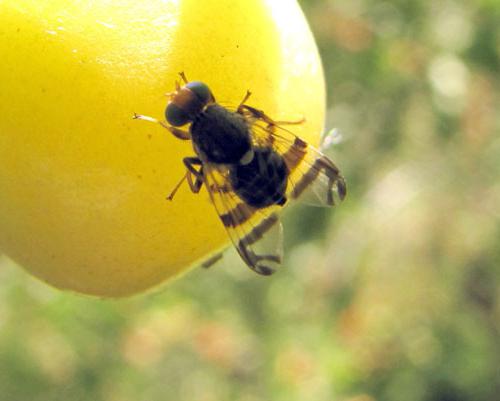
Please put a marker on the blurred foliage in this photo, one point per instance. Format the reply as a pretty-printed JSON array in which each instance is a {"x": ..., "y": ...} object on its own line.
[{"x": 393, "y": 296}]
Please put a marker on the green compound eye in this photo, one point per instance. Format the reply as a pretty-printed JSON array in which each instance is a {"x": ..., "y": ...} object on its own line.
[
  {"x": 201, "y": 91},
  {"x": 175, "y": 115}
]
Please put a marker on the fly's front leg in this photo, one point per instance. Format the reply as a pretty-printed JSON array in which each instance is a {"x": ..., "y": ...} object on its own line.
[
  {"x": 196, "y": 184},
  {"x": 177, "y": 132},
  {"x": 190, "y": 163}
]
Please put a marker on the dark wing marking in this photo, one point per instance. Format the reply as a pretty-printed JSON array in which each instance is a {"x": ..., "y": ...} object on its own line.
[
  {"x": 314, "y": 179},
  {"x": 256, "y": 233}
]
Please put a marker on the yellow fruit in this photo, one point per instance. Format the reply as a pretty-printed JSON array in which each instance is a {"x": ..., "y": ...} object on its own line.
[{"x": 82, "y": 185}]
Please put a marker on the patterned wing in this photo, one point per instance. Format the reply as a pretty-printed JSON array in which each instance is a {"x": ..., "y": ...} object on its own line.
[
  {"x": 255, "y": 233},
  {"x": 314, "y": 179}
]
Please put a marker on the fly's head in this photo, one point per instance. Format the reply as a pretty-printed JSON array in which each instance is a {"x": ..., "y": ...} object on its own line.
[{"x": 187, "y": 102}]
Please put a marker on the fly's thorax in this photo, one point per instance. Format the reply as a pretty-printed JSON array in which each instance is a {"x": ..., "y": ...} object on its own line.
[
  {"x": 263, "y": 181},
  {"x": 220, "y": 136}
]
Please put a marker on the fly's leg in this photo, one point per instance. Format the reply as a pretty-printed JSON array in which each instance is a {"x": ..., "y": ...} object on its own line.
[
  {"x": 242, "y": 103},
  {"x": 212, "y": 260},
  {"x": 190, "y": 162},
  {"x": 178, "y": 133},
  {"x": 255, "y": 114},
  {"x": 196, "y": 184},
  {"x": 260, "y": 115}
]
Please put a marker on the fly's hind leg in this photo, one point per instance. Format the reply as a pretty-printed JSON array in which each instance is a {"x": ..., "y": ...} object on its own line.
[{"x": 196, "y": 184}]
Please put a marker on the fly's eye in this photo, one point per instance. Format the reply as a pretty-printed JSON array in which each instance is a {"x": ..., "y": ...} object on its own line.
[
  {"x": 201, "y": 91},
  {"x": 175, "y": 115}
]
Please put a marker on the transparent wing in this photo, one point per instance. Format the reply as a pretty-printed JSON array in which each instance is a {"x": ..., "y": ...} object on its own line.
[
  {"x": 256, "y": 233},
  {"x": 314, "y": 179}
]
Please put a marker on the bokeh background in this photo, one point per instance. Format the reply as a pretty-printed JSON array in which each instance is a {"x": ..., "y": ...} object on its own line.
[{"x": 393, "y": 296}]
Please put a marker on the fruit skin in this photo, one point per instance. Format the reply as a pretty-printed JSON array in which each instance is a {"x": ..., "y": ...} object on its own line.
[{"x": 82, "y": 185}]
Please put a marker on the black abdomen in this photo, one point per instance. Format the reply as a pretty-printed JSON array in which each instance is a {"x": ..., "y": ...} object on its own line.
[
  {"x": 220, "y": 136},
  {"x": 263, "y": 181}
]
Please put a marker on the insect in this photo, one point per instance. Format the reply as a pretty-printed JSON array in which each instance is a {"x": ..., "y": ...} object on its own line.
[{"x": 251, "y": 166}]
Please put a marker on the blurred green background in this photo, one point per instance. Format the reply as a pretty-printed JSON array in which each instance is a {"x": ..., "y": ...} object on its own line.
[{"x": 393, "y": 296}]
